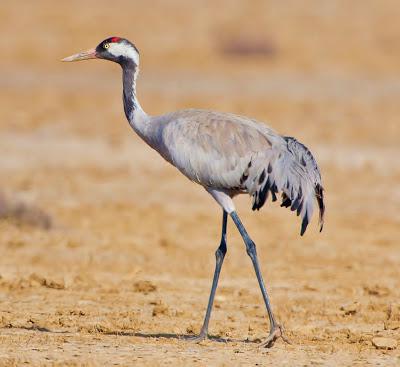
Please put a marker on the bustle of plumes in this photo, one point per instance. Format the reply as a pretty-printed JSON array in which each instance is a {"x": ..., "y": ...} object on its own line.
[{"x": 296, "y": 175}]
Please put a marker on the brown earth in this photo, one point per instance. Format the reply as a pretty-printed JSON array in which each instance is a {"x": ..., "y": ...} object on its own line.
[{"x": 107, "y": 252}]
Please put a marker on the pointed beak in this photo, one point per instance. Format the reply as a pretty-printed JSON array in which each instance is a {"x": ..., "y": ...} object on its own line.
[{"x": 84, "y": 55}]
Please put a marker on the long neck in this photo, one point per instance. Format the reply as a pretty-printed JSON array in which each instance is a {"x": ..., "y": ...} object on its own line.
[{"x": 134, "y": 113}]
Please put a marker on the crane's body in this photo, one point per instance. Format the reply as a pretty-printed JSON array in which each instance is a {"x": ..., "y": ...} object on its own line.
[
  {"x": 225, "y": 153},
  {"x": 235, "y": 155}
]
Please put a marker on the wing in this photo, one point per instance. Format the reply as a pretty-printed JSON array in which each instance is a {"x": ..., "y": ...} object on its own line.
[{"x": 213, "y": 149}]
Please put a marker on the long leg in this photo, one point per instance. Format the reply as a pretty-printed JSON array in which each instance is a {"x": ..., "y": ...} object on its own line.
[
  {"x": 276, "y": 330},
  {"x": 219, "y": 259}
]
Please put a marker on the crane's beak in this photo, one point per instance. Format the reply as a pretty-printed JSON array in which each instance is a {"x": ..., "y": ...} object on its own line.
[{"x": 84, "y": 55}]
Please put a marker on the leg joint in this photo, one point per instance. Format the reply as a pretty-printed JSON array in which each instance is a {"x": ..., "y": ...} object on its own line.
[
  {"x": 251, "y": 248},
  {"x": 221, "y": 250}
]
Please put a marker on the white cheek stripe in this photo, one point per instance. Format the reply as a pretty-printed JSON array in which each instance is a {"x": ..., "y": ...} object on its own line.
[{"x": 120, "y": 49}]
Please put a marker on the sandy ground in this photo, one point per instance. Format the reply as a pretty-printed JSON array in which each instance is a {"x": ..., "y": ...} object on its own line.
[{"x": 107, "y": 252}]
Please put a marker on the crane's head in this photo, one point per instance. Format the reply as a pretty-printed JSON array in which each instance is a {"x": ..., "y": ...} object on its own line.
[{"x": 115, "y": 49}]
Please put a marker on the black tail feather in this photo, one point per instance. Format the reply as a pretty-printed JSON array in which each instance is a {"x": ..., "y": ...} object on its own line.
[
  {"x": 304, "y": 224},
  {"x": 286, "y": 202},
  {"x": 319, "y": 193},
  {"x": 299, "y": 208}
]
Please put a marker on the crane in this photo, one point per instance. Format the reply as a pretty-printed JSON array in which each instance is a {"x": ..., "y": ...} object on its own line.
[{"x": 228, "y": 155}]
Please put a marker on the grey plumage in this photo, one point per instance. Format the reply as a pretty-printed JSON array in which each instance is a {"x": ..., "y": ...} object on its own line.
[
  {"x": 236, "y": 155},
  {"x": 228, "y": 155}
]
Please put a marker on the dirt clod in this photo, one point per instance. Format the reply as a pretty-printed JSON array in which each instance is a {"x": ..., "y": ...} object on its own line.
[
  {"x": 350, "y": 308},
  {"x": 160, "y": 309},
  {"x": 45, "y": 282},
  {"x": 384, "y": 343},
  {"x": 377, "y": 290},
  {"x": 144, "y": 286}
]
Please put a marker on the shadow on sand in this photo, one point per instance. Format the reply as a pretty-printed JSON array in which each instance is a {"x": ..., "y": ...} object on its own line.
[{"x": 185, "y": 337}]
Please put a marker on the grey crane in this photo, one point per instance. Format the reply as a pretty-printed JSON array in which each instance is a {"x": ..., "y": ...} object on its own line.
[{"x": 228, "y": 155}]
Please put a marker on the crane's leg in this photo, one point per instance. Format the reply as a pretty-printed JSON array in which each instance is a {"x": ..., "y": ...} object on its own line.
[
  {"x": 276, "y": 330},
  {"x": 219, "y": 259}
]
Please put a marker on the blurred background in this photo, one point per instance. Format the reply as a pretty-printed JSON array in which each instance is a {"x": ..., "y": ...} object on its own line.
[{"x": 107, "y": 237}]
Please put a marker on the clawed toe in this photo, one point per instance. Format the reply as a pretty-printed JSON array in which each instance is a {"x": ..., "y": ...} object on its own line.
[
  {"x": 276, "y": 332},
  {"x": 197, "y": 338}
]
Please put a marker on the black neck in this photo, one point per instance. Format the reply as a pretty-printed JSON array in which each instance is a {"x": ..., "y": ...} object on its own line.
[{"x": 129, "y": 73}]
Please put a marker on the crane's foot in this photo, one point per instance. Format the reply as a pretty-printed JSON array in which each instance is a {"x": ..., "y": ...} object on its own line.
[
  {"x": 198, "y": 338},
  {"x": 276, "y": 332}
]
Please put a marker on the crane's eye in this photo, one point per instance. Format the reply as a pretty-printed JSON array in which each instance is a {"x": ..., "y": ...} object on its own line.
[{"x": 106, "y": 45}]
